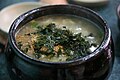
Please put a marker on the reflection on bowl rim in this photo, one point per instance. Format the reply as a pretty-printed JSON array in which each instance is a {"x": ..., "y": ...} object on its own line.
[
  {"x": 103, "y": 45},
  {"x": 118, "y": 11}
]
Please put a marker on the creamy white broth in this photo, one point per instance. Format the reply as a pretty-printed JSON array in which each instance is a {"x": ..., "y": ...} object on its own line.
[{"x": 73, "y": 23}]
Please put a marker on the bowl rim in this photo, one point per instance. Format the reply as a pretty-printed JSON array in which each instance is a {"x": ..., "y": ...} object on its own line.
[
  {"x": 103, "y": 45},
  {"x": 12, "y": 7},
  {"x": 118, "y": 11},
  {"x": 90, "y": 3}
]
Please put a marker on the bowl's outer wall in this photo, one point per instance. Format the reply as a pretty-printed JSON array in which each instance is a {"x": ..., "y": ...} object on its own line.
[
  {"x": 94, "y": 69},
  {"x": 97, "y": 68}
]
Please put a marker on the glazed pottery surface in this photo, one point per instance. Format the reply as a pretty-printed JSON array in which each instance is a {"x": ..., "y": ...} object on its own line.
[{"x": 96, "y": 66}]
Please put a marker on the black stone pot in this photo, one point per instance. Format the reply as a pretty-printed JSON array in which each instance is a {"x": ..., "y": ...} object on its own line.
[{"x": 96, "y": 66}]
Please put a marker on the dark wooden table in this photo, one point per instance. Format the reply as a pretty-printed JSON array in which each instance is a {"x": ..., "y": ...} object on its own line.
[{"x": 108, "y": 12}]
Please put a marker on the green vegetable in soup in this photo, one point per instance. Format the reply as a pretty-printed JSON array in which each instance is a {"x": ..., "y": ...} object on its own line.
[
  {"x": 49, "y": 42},
  {"x": 57, "y": 38}
]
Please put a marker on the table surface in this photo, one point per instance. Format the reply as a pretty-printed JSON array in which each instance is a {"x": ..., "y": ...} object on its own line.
[{"x": 108, "y": 13}]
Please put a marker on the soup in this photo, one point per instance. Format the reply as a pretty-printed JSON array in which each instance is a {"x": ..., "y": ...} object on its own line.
[{"x": 58, "y": 38}]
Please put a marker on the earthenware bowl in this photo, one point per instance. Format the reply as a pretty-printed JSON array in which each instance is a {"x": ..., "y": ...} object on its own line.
[{"x": 95, "y": 66}]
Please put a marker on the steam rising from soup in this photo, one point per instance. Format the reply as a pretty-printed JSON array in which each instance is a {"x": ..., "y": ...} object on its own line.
[{"x": 56, "y": 38}]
